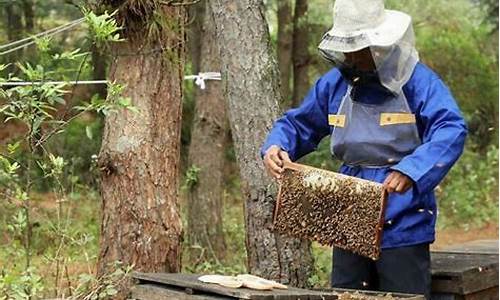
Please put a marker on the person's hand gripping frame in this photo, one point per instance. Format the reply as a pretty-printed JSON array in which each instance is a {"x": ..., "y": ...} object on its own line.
[{"x": 274, "y": 160}]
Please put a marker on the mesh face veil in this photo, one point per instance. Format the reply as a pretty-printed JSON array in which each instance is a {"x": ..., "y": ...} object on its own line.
[
  {"x": 394, "y": 64},
  {"x": 366, "y": 24}
]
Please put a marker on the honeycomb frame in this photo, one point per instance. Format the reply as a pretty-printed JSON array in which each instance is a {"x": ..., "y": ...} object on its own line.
[{"x": 331, "y": 208}]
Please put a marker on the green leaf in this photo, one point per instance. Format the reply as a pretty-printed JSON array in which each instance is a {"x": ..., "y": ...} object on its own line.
[
  {"x": 12, "y": 148},
  {"x": 124, "y": 101},
  {"x": 103, "y": 28},
  {"x": 3, "y": 67}
]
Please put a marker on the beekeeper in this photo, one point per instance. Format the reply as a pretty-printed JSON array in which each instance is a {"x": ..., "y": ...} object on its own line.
[{"x": 391, "y": 120}]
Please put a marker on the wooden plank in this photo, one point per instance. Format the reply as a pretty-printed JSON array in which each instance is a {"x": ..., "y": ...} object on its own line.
[
  {"x": 440, "y": 296},
  {"x": 463, "y": 273},
  {"x": 191, "y": 281},
  {"x": 484, "y": 279},
  {"x": 474, "y": 247},
  {"x": 452, "y": 264},
  {"x": 151, "y": 291},
  {"x": 395, "y": 296},
  {"x": 459, "y": 287},
  {"x": 489, "y": 294},
  {"x": 179, "y": 282}
]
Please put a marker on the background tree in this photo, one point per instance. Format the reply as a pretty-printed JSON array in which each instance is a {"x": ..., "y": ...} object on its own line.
[
  {"x": 99, "y": 66},
  {"x": 301, "y": 57},
  {"x": 206, "y": 161},
  {"x": 14, "y": 28},
  {"x": 285, "y": 40},
  {"x": 491, "y": 15},
  {"x": 29, "y": 15},
  {"x": 252, "y": 92},
  {"x": 139, "y": 157}
]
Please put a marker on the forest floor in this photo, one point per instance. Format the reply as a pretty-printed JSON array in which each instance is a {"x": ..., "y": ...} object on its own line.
[{"x": 451, "y": 236}]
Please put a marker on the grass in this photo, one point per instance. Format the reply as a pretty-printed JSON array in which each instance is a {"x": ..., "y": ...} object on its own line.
[{"x": 61, "y": 250}]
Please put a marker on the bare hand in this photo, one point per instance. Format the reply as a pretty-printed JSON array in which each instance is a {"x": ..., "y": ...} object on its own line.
[
  {"x": 397, "y": 182},
  {"x": 273, "y": 161}
]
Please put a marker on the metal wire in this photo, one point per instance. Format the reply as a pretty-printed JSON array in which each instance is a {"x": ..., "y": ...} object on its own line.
[
  {"x": 31, "y": 40},
  {"x": 70, "y": 82}
]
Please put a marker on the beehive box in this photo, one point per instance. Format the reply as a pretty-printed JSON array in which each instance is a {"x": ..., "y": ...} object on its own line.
[
  {"x": 467, "y": 271},
  {"x": 330, "y": 208}
]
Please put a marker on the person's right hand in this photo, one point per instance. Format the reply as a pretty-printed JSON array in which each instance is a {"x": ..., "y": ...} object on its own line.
[{"x": 273, "y": 161}]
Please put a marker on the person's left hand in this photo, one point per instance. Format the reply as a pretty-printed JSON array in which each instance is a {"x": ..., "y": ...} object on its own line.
[{"x": 397, "y": 182}]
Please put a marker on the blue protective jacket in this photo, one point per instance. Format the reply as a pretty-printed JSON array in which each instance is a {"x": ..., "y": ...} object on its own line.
[{"x": 410, "y": 217}]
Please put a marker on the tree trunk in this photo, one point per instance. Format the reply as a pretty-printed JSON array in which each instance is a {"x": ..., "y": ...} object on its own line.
[
  {"x": 99, "y": 65},
  {"x": 285, "y": 38},
  {"x": 29, "y": 15},
  {"x": 14, "y": 33},
  {"x": 140, "y": 153},
  {"x": 14, "y": 22},
  {"x": 300, "y": 56},
  {"x": 252, "y": 93},
  {"x": 317, "y": 64},
  {"x": 206, "y": 151},
  {"x": 196, "y": 17}
]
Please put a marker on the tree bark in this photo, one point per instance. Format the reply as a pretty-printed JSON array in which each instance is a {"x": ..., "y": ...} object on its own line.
[
  {"x": 251, "y": 89},
  {"x": 285, "y": 39},
  {"x": 140, "y": 153},
  {"x": 196, "y": 18},
  {"x": 300, "y": 56},
  {"x": 206, "y": 151}
]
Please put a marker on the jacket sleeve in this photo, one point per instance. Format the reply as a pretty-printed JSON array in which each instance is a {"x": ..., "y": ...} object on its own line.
[
  {"x": 443, "y": 136},
  {"x": 299, "y": 130}
]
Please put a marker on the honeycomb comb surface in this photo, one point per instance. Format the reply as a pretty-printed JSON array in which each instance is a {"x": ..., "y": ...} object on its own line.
[{"x": 330, "y": 208}]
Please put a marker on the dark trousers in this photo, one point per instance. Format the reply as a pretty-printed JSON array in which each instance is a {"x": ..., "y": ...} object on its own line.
[{"x": 402, "y": 270}]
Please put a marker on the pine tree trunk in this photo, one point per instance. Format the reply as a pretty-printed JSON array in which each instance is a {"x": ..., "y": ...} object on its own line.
[
  {"x": 206, "y": 151},
  {"x": 285, "y": 39},
  {"x": 196, "y": 17},
  {"x": 14, "y": 21},
  {"x": 252, "y": 91},
  {"x": 99, "y": 65},
  {"x": 29, "y": 15},
  {"x": 14, "y": 32},
  {"x": 140, "y": 154},
  {"x": 300, "y": 56}
]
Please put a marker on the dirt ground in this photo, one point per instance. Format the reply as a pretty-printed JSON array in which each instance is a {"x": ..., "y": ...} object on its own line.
[{"x": 452, "y": 236}]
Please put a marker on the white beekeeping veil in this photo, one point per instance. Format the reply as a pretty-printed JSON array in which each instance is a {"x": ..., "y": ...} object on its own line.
[{"x": 360, "y": 24}]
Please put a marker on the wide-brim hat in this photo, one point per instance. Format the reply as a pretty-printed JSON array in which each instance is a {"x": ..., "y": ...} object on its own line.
[{"x": 360, "y": 23}]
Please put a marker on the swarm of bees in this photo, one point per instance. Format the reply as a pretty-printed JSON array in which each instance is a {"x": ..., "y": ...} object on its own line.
[{"x": 330, "y": 208}]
